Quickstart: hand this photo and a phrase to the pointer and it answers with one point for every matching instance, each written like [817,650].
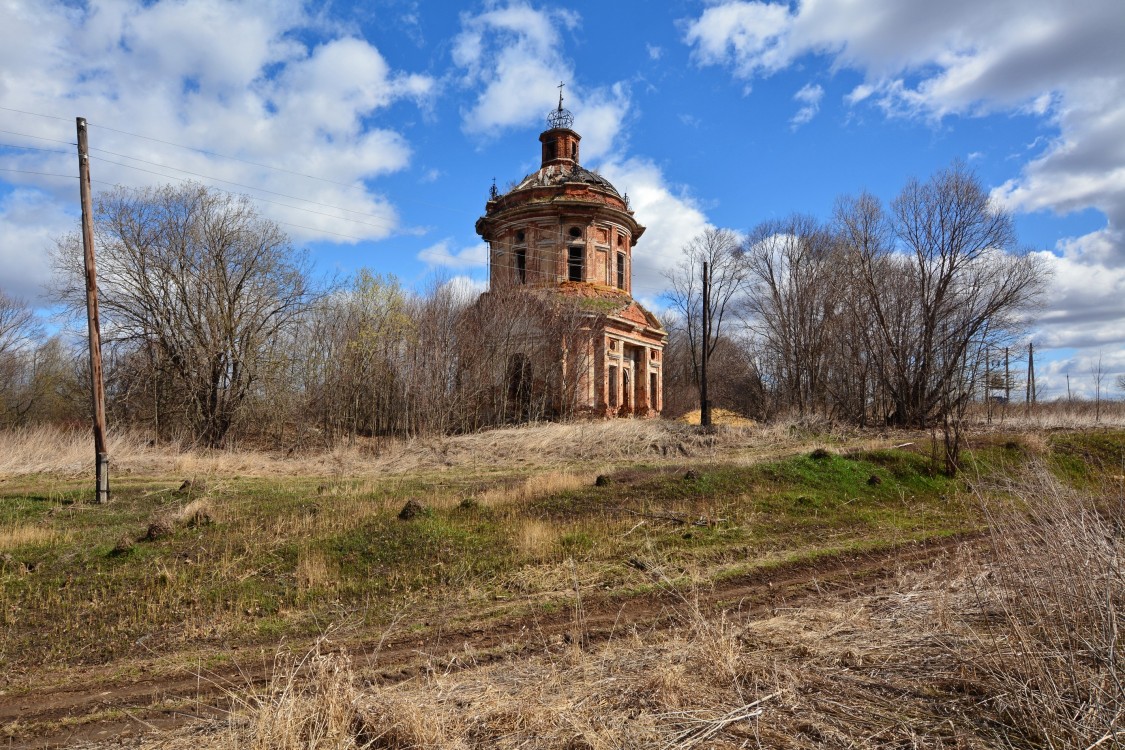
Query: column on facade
[648,401]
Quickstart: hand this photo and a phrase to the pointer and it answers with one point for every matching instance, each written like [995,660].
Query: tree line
[882,315]
[217,329]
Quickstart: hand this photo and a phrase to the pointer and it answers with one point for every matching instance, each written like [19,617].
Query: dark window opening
[621,270]
[521,265]
[652,391]
[613,386]
[575,232]
[520,236]
[574,263]
[626,390]
[551,150]
[574,151]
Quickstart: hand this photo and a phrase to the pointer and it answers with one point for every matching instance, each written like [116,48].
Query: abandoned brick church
[564,235]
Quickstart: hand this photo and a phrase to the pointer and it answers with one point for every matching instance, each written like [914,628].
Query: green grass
[1086,459]
[285,557]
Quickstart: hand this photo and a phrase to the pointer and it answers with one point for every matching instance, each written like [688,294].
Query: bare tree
[940,281]
[953,283]
[1098,373]
[202,279]
[721,250]
[794,277]
[18,325]
[352,346]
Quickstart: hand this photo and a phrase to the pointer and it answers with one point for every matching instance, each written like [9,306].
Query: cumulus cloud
[220,76]
[444,255]
[29,221]
[1086,299]
[671,217]
[513,54]
[1059,61]
[1076,376]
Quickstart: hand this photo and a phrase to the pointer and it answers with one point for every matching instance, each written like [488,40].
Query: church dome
[551,175]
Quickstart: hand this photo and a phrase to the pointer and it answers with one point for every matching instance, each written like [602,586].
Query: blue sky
[385,123]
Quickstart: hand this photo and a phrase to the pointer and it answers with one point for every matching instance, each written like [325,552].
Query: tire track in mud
[99,711]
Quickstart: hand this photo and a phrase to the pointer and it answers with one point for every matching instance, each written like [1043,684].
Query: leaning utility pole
[101,456]
[704,402]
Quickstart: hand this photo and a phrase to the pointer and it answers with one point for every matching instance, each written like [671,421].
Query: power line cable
[44,174]
[35,114]
[39,137]
[33,148]
[232,158]
[219,179]
[558,234]
[255,164]
[377,223]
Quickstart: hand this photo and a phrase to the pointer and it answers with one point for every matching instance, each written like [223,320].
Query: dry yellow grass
[52,451]
[313,570]
[535,486]
[23,535]
[535,539]
[721,417]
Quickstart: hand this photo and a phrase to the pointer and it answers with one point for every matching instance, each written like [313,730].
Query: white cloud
[746,35]
[672,218]
[810,95]
[222,76]
[655,52]
[513,54]
[465,289]
[1060,61]
[29,221]
[1076,375]
[442,255]
[1085,305]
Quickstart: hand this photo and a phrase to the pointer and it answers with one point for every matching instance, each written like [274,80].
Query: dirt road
[104,710]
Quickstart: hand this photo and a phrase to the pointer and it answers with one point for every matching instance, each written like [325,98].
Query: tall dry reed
[1051,606]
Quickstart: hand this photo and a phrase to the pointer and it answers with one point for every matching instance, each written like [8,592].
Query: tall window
[621,270]
[521,265]
[574,263]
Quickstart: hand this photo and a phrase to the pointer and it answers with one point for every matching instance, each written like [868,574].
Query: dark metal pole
[704,402]
[101,455]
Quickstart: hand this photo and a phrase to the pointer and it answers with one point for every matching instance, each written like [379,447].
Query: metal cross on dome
[560,118]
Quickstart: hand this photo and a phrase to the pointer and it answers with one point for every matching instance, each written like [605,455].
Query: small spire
[560,118]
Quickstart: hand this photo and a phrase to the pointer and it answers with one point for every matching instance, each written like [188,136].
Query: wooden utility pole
[1007,386]
[101,456]
[1007,379]
[1029,399]
[704,402]
[987,387]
